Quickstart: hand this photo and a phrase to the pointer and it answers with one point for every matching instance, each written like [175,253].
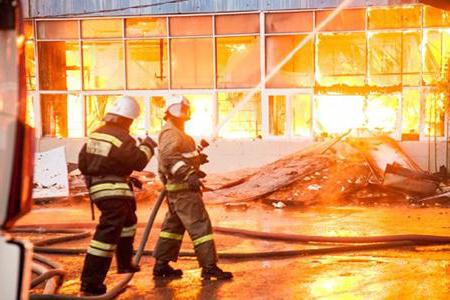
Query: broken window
[289,22]
[30,65]
[436,56]
[103,65]
[238,62]
[98,106]
[192,63]
[299,70]
[246,122]
[62,115]
[189,26]
[301,115]
[434,114]
[147,66]
[202,115]
[394,58]
[102,28]
[345,20]
[235,24]
[381,113]
[58,29]
[59,66]
[341,59]
[145,27]
[277,115]
[394,17]
[337,114]
[435,17]
[411,114]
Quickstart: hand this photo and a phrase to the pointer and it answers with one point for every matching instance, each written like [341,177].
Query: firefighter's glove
[203,158]
[194,182]
[134,182]
[148,141]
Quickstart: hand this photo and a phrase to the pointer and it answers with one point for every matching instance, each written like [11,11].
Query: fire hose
[364,244]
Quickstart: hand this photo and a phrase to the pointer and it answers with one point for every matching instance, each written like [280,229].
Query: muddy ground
[406,273]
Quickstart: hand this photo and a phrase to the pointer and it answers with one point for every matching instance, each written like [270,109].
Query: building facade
[262,81]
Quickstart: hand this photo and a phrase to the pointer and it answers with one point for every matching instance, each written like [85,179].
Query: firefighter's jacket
[107,159]
[178,157]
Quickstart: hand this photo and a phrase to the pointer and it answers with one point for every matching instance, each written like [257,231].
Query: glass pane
[394,17]
[62,115]
[436,56]
[435,17]
[30,119]
[192,63]
[289,22]
[337,114]
[183,26]
[145,27]
[381,113]
[57,29]
[299,70]
[147,64]
[246,123]
[103,65]
[59,66]
[301,115]
[28,30]
[393,56]
[277,115]
[238,62]
[341,59]
[102,28]
[434,114]
[98,106]
[157,111]
[233,24]
[30,65]
[348,19]
[202,115]
[411,115]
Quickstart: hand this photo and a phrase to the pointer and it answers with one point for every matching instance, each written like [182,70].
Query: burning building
[377,66]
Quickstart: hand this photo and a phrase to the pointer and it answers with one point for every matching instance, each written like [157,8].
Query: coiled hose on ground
[364,244]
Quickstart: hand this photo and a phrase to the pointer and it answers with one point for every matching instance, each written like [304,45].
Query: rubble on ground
[362,171]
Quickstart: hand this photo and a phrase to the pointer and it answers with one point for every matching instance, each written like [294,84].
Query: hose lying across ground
[363,244]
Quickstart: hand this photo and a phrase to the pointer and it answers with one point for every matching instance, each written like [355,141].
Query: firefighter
[179,164]
[107,159]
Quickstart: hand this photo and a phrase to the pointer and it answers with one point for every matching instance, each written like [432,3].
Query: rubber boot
[213,271]
[94,272]
[162,269]
[124,256]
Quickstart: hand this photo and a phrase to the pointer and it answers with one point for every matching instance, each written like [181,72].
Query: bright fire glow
[201,123]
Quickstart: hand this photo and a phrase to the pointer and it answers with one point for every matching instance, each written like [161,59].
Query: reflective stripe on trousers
[101,249]
[128,231]
[103,190]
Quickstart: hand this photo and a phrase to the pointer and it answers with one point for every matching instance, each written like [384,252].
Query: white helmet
[178,107]
[126,107]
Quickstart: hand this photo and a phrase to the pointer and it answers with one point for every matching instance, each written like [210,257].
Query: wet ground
[405,273]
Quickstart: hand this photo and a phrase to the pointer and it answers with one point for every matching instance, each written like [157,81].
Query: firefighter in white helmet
[107,159]
[179,164]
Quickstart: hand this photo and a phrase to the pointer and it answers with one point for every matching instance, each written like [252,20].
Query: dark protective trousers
[186,212]
[114,233]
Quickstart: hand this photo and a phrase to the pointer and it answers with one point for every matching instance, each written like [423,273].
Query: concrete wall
[229,155]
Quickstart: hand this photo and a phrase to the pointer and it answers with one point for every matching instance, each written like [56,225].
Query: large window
[434,114]
[202,115]
[62,115]
[60,66]
[147,66]
[411,114]
[381,112]
[394,17]
[238,62]
[289,22]
[301,119]
[299,70]
[242,123]
[341,59]
[102,28]
[436,55]
[58,30]
[277,115]
[145,27]
[103,65]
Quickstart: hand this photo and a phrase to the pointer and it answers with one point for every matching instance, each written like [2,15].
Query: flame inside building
[379,69]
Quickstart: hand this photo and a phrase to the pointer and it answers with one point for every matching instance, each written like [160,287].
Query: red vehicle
[16,153]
